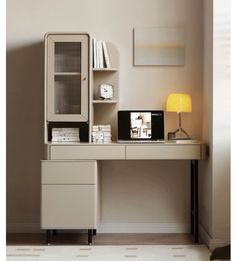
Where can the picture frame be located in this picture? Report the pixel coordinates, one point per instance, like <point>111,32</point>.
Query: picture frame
<point>159,46</point>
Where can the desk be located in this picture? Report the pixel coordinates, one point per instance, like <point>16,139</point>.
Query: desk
<point>70,171</point>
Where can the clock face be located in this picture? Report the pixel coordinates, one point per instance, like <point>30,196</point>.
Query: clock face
<point>106,91</point>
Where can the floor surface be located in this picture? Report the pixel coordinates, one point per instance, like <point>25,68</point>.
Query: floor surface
<point>105,253</point>
<point>101,239</point>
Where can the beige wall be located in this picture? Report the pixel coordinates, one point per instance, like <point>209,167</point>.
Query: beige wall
<point>162,188</point>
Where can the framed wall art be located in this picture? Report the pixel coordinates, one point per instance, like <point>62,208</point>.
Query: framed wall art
<point>159,46</point>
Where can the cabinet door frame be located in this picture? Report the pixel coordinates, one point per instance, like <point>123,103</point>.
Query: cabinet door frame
<point>50,71</point>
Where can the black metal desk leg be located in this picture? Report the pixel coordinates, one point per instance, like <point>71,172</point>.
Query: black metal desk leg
<point>194,199</point>
<point>90,236</point>
<point>94,232</point>
<point>48,236</point>
<point>191,197</point>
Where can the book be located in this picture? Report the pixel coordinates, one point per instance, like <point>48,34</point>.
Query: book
<point>105,131</point>
<point>95,53</point>
<point>65,134</point>
<point>65,139</point>
<point>106,56</point>
<point>101,55</point>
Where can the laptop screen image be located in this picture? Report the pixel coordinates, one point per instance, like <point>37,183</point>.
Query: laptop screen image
<point>140,125</point>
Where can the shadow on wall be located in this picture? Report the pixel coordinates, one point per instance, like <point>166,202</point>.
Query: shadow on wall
<point>25,99</point>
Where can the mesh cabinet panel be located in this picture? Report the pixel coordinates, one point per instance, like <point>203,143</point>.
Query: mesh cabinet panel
<point>67,94</point>
<point>67,57</point>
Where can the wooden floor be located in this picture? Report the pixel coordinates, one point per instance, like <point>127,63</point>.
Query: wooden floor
<point>100,239</point>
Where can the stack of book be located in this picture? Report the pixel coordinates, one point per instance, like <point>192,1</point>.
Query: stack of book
<point>65,135</point>
<point>100,54</point>
<point>101,134</point>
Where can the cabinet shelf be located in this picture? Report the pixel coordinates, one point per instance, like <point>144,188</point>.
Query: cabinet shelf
<point>104,101</point>
<point>67,73</point>
<point>105,69</point>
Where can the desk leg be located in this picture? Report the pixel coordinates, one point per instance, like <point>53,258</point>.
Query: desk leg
<point>94,232</point>
<point>48,233</point>
<point>194,200</point>
<point>90,236</point>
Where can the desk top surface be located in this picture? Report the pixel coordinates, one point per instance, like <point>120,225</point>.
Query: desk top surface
<point>108,151</point>
<point>135,143</point>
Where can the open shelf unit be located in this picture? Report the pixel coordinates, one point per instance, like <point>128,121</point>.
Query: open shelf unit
<point>104,112</point>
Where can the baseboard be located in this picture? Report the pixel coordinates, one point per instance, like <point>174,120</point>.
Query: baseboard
<point>111,228</point>
<point>212,243</point>
<point>143,228</point>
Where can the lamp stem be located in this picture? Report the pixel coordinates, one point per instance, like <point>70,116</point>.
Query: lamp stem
<point>180,129</point>
<point>180,121</point>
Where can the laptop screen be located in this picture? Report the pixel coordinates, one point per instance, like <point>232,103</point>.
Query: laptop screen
<point>140,125</point>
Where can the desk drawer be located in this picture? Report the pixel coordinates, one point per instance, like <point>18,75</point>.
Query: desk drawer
<point>68,206</point>
<point>69,172</point>
<point>163,152</point>
<point>96,152</point>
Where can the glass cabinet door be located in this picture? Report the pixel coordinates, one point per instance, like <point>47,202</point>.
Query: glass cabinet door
<point>67,77</point>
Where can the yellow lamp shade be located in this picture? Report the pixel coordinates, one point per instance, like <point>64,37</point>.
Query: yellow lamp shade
<point>178,102</point>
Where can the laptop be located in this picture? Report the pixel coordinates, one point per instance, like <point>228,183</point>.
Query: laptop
<point>140,126</point>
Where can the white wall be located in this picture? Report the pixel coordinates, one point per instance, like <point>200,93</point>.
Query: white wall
<point>162,188</point>
<point>205,177</point>
<point>215,177</point>
<point>221,120</point>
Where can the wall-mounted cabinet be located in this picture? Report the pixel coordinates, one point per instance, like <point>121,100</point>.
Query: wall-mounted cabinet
<point>67,77</point>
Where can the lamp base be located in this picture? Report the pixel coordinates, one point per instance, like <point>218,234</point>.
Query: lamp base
<point>179,134</point>
<point>181,138</point>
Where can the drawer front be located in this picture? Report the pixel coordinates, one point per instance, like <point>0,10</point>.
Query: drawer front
<point>69,172</point>
<point>99,152</point>
<point>68,206</point>
<point>163,152</point>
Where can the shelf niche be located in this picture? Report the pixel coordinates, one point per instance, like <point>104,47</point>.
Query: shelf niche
<point>105,111</point>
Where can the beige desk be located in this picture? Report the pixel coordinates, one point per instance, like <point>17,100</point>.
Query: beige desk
<point>69,174</point>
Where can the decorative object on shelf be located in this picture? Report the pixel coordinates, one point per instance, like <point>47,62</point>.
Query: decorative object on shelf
<point>100,54</point>
<point>179,103</point>
<point>101,134</point>
<point>106,91</point>
<point>159,46</point>
<point>65,135</point>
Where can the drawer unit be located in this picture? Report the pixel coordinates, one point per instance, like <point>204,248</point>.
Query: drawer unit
<point>68,206</point>
<point>166,151</point>
<point>103,152</point>
<point>69,194</point>
<point>69,172</point>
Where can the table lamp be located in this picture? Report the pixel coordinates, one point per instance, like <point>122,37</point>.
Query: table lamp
<point>178,102</point>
